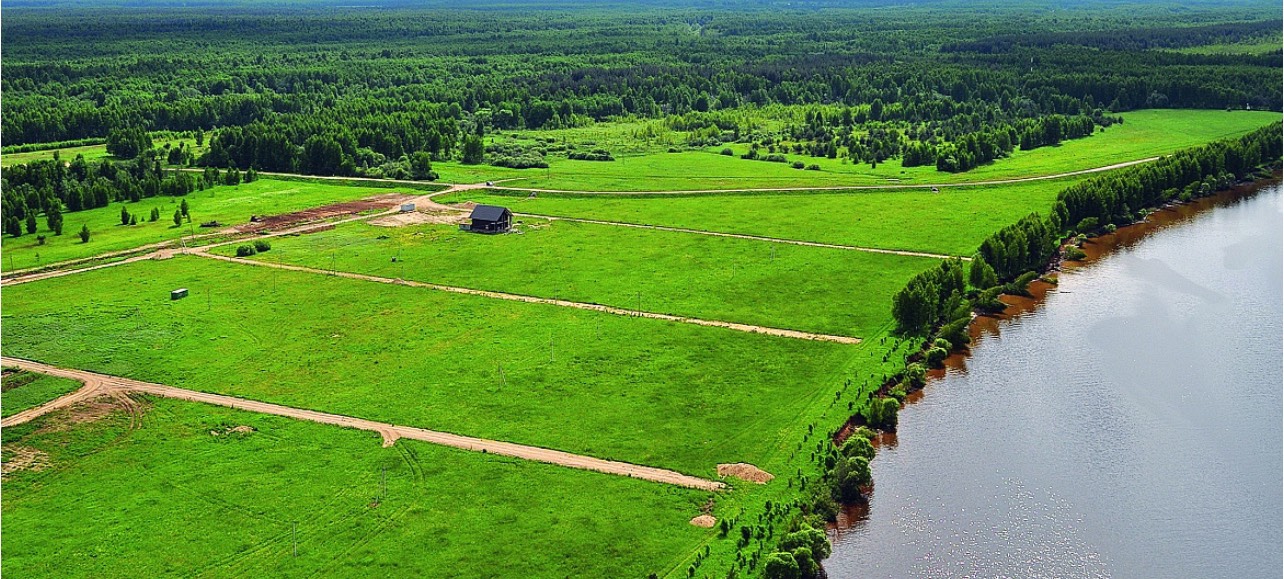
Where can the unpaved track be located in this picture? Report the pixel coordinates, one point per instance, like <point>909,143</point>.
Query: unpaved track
<point>837,187</point>
<point>746,236</point>
<point>784,333</point>
<point>99,384</point>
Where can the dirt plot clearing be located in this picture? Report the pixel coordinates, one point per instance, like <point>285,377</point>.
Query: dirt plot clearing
<point>375,203</point>
<point>420,218</point>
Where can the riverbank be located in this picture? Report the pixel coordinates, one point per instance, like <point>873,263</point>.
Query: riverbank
<point>987,328</point>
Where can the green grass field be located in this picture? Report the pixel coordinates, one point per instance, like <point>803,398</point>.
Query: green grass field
<point>170,498</point>
<point>846,292</point>
<point>953,221</point>
<point>645,391</point>
<point>225,204</point>
<point>1144,134</point>
<point>23,390</point>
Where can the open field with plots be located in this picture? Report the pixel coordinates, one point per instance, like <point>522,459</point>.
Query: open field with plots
<point>638,390</point>
<point>228,205</point>
<point>952,221</point>
<point>1143,134</point>
<point>214,491</point>
<point>726,244</point>
<point>684,274</point>
<point>23,390</point>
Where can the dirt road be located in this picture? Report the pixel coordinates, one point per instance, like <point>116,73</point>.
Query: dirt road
<point>103,384</point>
<point>784,333</point>
<point>891,186</point>
<point>745,236</point>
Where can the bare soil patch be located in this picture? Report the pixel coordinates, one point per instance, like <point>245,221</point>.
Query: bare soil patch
<point>23,458</point>
<point>421,218</point>
<point>746,472</point>
<point>705,521</point>
<point>377,202</point>
<point>91,410</point>
<point>240,430</point>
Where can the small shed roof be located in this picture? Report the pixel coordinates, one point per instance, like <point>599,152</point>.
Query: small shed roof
<point>488,213</point>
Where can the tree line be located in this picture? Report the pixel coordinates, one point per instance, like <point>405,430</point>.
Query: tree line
<point>939,298</point>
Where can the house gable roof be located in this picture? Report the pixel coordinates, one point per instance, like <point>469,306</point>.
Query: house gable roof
<point>489,213</point>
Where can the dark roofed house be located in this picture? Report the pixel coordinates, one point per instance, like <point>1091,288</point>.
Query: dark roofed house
<point>489,219</point>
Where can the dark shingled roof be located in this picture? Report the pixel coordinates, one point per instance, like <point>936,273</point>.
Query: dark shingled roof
<point>488,213</point>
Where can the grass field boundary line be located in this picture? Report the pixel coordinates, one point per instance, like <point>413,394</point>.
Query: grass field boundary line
<point>746,236</point>
<point>749,328</point>
<point>96,384</point>
<point>888,186</point>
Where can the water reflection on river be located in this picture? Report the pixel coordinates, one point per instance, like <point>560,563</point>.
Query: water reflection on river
<point>1129,426</point>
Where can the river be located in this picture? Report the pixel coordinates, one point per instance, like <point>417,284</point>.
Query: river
<point>1125,424</point>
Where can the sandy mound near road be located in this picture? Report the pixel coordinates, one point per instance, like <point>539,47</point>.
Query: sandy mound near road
<point>745,471</point>
<point>706,521</point>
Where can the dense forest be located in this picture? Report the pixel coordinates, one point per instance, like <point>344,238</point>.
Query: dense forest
<point>316,90</point>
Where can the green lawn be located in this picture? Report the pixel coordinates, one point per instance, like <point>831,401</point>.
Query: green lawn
<point>952,222</point>
<point>171,499</point>
<point>225,204</point>
<point>1144,134</point>
<point>829,290</point>
<point>23,390</point>
<point>645,391</point>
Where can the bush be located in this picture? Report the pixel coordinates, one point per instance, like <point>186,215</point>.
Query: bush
<point>936,356</point>
<point>1087,225</point>
<point>776,158</point>
<point>727,152</point>
<point>858,446</point>
<point>245,251</point>
<point>1072,253</point>
<point>594,155</point>
<point>916,375</point>
<point>528,161</point>
<point>813,167</point>
<point>262,245</point>
<point>851,474</point>
<point>797,165</point>
<point>1110,228</point>
<point>781,566</point>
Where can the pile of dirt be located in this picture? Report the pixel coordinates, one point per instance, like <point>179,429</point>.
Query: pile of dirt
<point>746,472</point>
<point>287,220</point>
<point>705,521</point>
<point>23,458</point>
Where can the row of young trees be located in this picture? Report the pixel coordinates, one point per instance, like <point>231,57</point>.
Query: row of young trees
<point>938,297</point>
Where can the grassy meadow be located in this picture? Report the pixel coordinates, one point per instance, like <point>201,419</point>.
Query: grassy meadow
<point>842,292</point>
<point>951,222</point>
<point>1143,134</point>
<point>229,205</point>
<point>634,389</point>
<point>23,390</point>
<point>180,494</point>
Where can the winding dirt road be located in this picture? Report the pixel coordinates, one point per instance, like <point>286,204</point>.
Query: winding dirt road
<point>102,384</point>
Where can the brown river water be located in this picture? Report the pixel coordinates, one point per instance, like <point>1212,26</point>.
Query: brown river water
<point>1124,423</point>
